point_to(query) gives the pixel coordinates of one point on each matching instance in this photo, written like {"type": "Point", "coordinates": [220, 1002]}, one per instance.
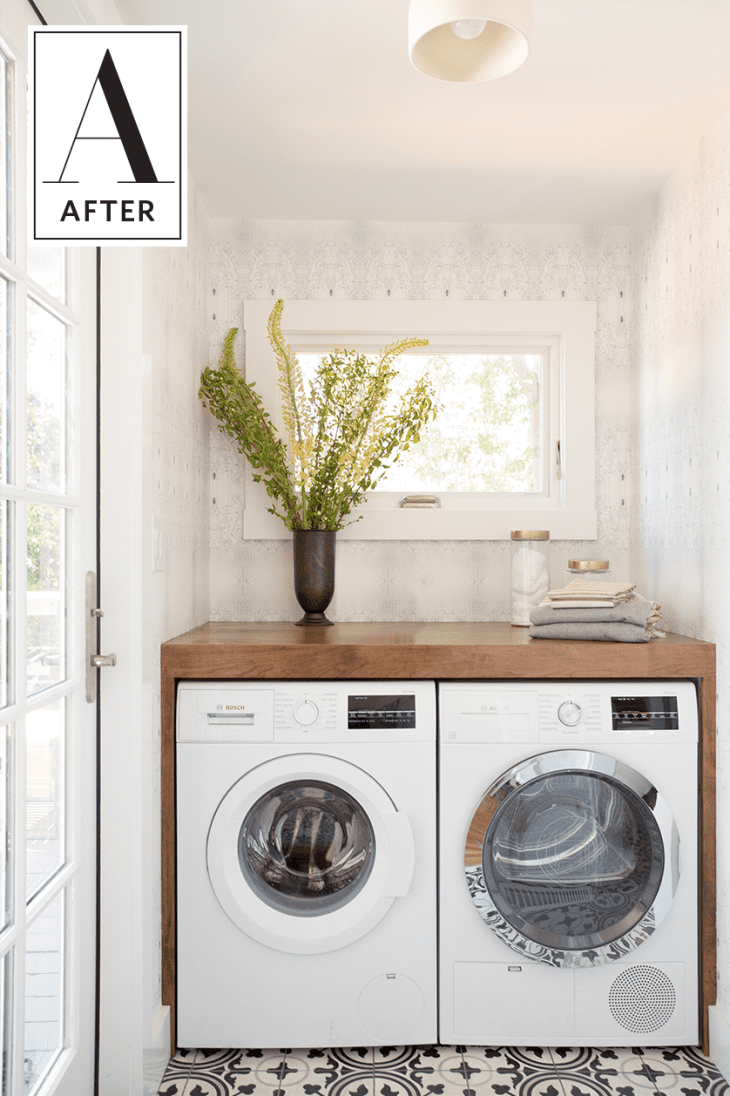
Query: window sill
{"type": "Point", "coordinates": [443, 524]}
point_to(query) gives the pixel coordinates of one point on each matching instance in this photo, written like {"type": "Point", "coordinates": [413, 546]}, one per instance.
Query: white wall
{"type": "Point", "coordinates": [154, 475]}
{"type": "Point", "coordinates": [176, 476]}
{"type": "Point", "coordinates": [681, 443]}
{"type": "Point", "coordinates": [451, 580]}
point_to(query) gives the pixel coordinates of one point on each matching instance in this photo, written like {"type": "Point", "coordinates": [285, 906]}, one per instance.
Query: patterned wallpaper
{"type": "Point", "coordinates": [175, 502]}
{"type": "Point", "coordinates": [422, 580]}
{"type": "Point", "coordinates": [680, 527]}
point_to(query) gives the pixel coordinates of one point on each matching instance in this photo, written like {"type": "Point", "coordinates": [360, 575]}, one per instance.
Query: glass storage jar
{"type": "Point", "coordinates": [530, 572]}
{"type": "Point", "coordinates": [592, 570]}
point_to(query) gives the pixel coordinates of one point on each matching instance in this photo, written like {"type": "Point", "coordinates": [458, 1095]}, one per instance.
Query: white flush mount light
{"type": "Point", "coordinates": [469, 40]}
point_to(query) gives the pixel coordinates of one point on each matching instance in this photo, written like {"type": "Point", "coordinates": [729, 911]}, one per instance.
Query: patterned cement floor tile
{"type": "Point", "coordinates": [444, 1071]}
{"type": "Point", "coordinates": [416, 1071]}
{"type": "Point", "coordinates": [504, 1071]}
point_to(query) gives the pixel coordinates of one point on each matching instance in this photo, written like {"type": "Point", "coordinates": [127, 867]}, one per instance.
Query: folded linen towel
{"type": "Point", "coordinates": [633, 621]}
{"type": "Point", "coordinates": [583, 588]}
{"type": "Point", "coordinates": [602, 630]}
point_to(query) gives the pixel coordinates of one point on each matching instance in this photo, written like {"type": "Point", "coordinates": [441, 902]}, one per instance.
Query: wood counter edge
{"type": "Point", "coordinates": [242, 658]}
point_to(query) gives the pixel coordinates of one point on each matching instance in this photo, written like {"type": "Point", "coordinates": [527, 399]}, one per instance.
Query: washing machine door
{"type": "Point", "coordinates": [572, 858]}
{"type": "Point", "coordinates": [306, 853]}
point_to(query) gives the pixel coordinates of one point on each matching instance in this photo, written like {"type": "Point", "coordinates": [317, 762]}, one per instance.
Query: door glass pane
{"type": "Point", "coordinates": [7, 510]}
{"type": "Point", "coordinates": [306, 848]}
{"type": "Point", "coordinates": [46, 597]}
{"type": "Point", "coordinates": [6, 835]}
{"type": "Point", "coordinates": [6, 1021]}
{"type": "Point", "coordinates": [573, 860]}
{"type": "Point", "coordinates": [5, 462]}
{"type": "Point", "coordinates": [4, 156]}
{"type": "Point", "coordinates": [46, 415]}
{"type": "Point", "coordinates": [43, 993]}
{"type": "Point", "coordinates": [47, 266]}
{"type": "Point", "coordinates": [45, 840]}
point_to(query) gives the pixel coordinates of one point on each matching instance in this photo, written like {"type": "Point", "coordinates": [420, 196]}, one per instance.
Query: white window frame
{"type": "Point", "coordinates": [566, 329]}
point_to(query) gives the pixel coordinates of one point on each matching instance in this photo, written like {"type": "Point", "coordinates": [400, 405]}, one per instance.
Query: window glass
{"type": "Point", "coordinates": [43, 993]}
{"type": "Point", "coordinates": [487, 435]}
{"type": "Point", "coordinates": [46, 597]}
{"type": "Point", "coordinates": [44, 733]}
{"type": "Point", "coordinates": [46, 416]}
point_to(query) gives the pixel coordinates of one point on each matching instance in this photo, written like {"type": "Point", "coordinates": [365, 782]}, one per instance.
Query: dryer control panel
{"type": "Point", "coordinates": [568, 711]}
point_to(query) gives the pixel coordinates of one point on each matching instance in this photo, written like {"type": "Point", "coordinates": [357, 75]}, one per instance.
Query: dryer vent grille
{"type": "Point", "coordinates": [642, 999]}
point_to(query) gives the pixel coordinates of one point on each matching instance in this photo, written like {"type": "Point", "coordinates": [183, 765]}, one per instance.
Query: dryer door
{"type": "Point", "coordinates": [307, 852]}
{"type": "Point", "coordinates": [572, 858]}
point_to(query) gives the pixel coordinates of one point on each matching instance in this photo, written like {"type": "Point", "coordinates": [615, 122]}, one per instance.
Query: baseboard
{"type": "Point", "coordinates": [720, 1040]}
{"type": "Point", "coordinates": [157, 1054]}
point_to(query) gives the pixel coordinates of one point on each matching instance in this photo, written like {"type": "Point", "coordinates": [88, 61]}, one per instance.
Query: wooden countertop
{"type": "Point", "coordinates": [442, 650]}
{"type": "Point", "coordinates": [488, 651]}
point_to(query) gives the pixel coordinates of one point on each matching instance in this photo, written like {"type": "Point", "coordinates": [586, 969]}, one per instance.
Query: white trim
{"type": "Point", "coordinates": [569, 512]}
{"type": "Point", "coordinates": [123, 1027]}
{"type": "Point", "coordinates": [156, 1052]}
{"type": "Point", "coordinates": [720, 1040]}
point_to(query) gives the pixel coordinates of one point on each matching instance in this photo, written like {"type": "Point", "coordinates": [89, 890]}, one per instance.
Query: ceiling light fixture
{"type": "Point", "coordinates": [469, 40]}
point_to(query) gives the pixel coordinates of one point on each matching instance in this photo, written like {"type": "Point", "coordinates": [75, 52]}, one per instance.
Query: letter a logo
{"type": "Point", "coordinates": [108, 126]}
{"type": "Point", "coordinates": [127, 128]}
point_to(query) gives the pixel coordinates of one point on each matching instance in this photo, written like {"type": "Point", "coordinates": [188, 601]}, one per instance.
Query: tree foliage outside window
{"type": "Point", "coordinates": [487, 436]}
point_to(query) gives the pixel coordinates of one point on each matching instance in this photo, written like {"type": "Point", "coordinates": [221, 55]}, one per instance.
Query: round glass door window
{"type": "Point", "coordinates": [306, 847]}
{"type": "Point", "coordinates": [574, 861]}
{"type": "Point", "coordinates": [570, 863]}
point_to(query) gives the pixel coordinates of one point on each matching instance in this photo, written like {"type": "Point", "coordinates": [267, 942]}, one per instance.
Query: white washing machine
{"type": "Point", "coordinates": [306, 863]}
{"type": "Point", "coordinates": [568, 863]}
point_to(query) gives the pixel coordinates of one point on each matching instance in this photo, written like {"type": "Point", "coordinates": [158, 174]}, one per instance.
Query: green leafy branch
{"type": "Point", "coordinates": [343, 435]}
{"type": "Point", "coordinates": [241, 414]}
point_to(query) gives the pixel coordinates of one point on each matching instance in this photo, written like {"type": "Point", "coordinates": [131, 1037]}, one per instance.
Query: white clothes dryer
{"type": "Point", "coordinates": [306, 866]}
{"type": "Point", "coordinates": [568, 863]}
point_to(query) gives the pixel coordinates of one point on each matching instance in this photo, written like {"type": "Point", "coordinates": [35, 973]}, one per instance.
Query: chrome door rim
{"type": "Point", "coordinates": [509, 784]}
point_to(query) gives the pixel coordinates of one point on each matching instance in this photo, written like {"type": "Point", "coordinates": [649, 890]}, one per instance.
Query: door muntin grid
{"type": "Point", "coordinates": [47, 484]}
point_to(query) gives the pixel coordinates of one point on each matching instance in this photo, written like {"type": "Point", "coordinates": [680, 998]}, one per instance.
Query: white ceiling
{"type": "Point", "coordinates": [312, 109]}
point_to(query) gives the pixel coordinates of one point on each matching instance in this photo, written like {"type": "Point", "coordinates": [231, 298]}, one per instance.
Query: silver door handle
{"type": "Point", "coordinates": [103, 660]}
{"type": "Point", "coordinates": [94, 661]}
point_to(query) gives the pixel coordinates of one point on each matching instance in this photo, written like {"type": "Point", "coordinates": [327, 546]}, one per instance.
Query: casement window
{"type": "Point", "coordinates": [513, 445]}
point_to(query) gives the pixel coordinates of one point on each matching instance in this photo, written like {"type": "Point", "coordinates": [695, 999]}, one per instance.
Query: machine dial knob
{"type": "Point", "coordinates": [569, 713]}
{"type": "Point", "coordinates": [305, 712]}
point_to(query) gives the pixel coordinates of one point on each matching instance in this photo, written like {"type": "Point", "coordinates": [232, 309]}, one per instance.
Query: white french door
{"type": "Point", "coordinates": [47, 544]}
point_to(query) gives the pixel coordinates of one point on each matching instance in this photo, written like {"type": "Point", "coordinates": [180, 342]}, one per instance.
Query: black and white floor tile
{"type": "Point", "coordinates": [444, 1071]}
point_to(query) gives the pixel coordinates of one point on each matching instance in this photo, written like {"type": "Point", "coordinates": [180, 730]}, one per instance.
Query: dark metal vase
{"type": "Point", "coordinates": [314, 573]}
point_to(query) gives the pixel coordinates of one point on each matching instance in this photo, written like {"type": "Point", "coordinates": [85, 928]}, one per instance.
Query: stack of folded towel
{"type": "Point", "coordinates": [596, 610]}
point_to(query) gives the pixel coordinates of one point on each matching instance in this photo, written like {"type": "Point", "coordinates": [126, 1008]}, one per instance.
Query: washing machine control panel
{"type": "Point", "coordinates": [377, 712]}
{"type": "Point", "coordinates": [305, 712]}
{"type": "Point", "coordinates": [570, 713]}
